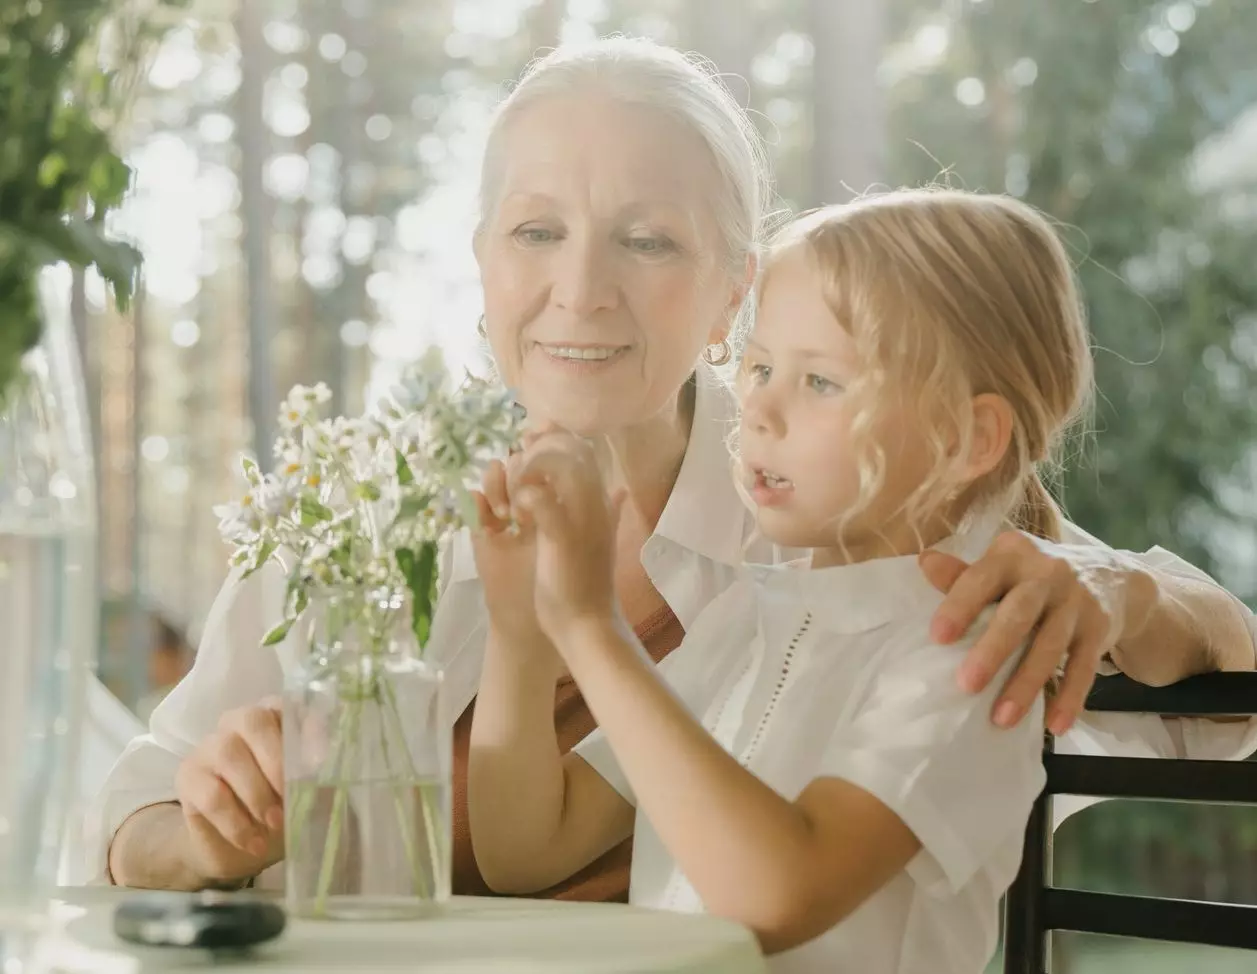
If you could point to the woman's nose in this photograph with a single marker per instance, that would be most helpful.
(585, 280)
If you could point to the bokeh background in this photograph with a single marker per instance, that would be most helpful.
(305, 200)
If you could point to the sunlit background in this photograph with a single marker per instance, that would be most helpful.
(305, 197)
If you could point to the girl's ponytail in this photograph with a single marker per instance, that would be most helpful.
(1036, 512)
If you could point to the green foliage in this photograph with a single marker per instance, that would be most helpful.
(59, 176)
(1086, 118)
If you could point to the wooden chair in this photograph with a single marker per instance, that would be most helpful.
(1034, 907)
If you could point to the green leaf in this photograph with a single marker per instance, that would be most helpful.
(264, 553)
(295, 597)
(108, 179)
(412, 505)
(419, 570)
(278, 634)
(404, 474)
(312, 511)
(368, 491)
(249, 467)
(50, 169)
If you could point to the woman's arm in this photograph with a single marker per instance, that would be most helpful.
(536, 817)
(231, 670)
(1180, 626)
(786, 870)
(1076, 603)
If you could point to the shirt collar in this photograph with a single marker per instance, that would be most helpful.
(850, 599)
(704, 513)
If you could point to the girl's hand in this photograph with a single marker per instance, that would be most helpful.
(559, 488)
(506, 559)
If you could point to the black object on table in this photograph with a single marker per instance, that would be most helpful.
(207, 921)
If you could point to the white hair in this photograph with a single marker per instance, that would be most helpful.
(637, 71)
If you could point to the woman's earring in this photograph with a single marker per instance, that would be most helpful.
(718, 354)
(480, 328)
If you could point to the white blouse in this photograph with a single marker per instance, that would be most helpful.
(703, 537)
(831, 673)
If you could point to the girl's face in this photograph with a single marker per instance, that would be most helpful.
(802, 429)
(602, 262)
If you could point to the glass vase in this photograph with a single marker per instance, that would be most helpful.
(367, 762)
(48, 610)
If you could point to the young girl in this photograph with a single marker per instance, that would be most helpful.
(811, 768)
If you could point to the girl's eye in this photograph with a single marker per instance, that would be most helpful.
(818, 383)
(758, 373)
(534, 235)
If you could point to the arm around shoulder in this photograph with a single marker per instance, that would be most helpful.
(1176, 621)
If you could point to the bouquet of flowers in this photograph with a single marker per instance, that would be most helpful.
(356, 511)
(362, 505)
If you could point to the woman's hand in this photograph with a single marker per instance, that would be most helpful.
(1070, 602)
(231, 792)
(560, 489)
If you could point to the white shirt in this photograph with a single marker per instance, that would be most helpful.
(703, 537)
(832, 673)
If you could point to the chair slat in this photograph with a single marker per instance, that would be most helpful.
(1210, 694)
(1151, 918)
(1216, 782)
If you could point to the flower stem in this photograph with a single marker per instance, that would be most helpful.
(425, 798)
(407, 779)
(347, 734)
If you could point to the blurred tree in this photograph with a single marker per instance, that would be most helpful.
(1096, 113)
(257, 214)
(848, 116)
(724, 32)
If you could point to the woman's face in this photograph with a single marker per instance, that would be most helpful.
(603, 269)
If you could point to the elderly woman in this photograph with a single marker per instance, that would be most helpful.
(622, 199)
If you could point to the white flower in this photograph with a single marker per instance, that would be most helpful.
(349, 493)
(302, 403)
(237, 522)
(273, 497)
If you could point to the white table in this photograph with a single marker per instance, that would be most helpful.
(487, 936)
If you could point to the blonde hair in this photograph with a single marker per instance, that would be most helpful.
(636, 71)
(949, 295)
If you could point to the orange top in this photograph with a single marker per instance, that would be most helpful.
(605, 880)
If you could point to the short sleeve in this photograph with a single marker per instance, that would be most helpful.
(928, 751)
(595, 751)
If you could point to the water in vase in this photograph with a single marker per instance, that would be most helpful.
(368, 848)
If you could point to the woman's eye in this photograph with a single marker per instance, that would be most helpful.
(650, 245)
(759, 373)
(534, 235)
(818, 383)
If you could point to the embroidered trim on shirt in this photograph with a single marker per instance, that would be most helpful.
(782, 682)
(672, 893)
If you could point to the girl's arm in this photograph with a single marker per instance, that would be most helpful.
(903, 775)
(536, 817)
(786, 870)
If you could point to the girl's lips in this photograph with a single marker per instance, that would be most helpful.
(770, 490)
